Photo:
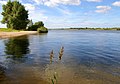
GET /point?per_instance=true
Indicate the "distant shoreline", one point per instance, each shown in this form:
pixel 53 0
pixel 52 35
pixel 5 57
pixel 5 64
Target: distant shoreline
pixel 21 33
pixel 86 29
pixel 15 34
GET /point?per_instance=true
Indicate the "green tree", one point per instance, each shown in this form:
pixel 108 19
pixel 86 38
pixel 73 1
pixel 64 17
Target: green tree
pixel 39 24
pixel 15 15
pixel 36 26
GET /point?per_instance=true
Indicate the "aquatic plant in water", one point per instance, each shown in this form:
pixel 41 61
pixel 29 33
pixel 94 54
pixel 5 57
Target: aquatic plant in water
pixel 53 74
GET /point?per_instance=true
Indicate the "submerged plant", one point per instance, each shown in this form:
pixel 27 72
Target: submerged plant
pixel 54 79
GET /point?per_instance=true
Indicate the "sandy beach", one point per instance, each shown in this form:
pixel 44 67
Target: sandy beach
pixel 15 34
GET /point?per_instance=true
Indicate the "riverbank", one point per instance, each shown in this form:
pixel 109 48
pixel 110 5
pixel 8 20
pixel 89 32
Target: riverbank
pixel 15 34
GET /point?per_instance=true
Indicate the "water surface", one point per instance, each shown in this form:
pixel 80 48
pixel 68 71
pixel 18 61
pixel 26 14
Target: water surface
pixel 90 57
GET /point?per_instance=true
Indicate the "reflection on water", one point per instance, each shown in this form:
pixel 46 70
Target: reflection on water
pixel 2 71
pixel 88 57
pixel 17 47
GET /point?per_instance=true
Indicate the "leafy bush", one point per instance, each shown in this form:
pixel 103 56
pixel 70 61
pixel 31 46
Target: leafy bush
pixel 33 28
pixel 36 26
pixel 42 30
pixel 39 24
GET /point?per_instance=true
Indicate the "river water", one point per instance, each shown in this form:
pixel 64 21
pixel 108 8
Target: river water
pixel 89 57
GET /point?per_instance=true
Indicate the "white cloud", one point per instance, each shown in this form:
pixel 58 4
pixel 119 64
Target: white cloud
pixel 39 1
pixel 20 1
pixel 38 15
pixel 29 7
pixel 103 9
pixel 117 3
pixel 35 14
pixel 57 2
pixel 94 0
pixel 64 10
pixel 3 2
pixel 2 25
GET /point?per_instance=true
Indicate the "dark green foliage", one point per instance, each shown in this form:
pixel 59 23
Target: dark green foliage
pixel 2 70
pixel 39 24
pixel 42 30
pixel 15 15
pixel 36 26
pixel 33 28
pixel 118 28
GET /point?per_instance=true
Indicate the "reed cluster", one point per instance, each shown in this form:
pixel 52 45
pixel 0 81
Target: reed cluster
pixel 60 54
pixel 54 78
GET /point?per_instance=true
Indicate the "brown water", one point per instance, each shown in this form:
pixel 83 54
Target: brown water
pixel 89 57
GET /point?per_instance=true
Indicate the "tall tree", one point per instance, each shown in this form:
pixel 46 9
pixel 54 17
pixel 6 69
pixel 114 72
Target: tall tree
pixel 15 15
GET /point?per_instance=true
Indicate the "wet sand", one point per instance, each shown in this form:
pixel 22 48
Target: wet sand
pixel 62 73
pixel 15 34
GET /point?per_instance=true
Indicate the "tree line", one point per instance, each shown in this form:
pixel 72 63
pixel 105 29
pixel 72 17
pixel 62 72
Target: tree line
pixel 16 17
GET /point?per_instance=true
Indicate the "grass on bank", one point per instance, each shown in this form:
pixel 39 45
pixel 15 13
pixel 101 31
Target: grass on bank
pixel 8 30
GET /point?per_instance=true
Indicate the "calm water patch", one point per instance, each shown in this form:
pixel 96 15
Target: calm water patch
pixel 90 57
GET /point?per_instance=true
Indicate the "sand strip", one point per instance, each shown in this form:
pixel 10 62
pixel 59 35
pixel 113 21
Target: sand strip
pixel 15 34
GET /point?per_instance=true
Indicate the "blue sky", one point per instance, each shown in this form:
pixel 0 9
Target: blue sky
pixel 72 13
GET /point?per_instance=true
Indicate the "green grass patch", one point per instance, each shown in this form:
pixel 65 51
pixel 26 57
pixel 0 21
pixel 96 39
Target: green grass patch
pixel 8 30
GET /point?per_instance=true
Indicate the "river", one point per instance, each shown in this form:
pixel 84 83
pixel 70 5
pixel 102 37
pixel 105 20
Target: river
pixel 89 57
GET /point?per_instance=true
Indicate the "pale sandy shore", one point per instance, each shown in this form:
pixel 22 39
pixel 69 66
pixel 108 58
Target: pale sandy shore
pixel 15 34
